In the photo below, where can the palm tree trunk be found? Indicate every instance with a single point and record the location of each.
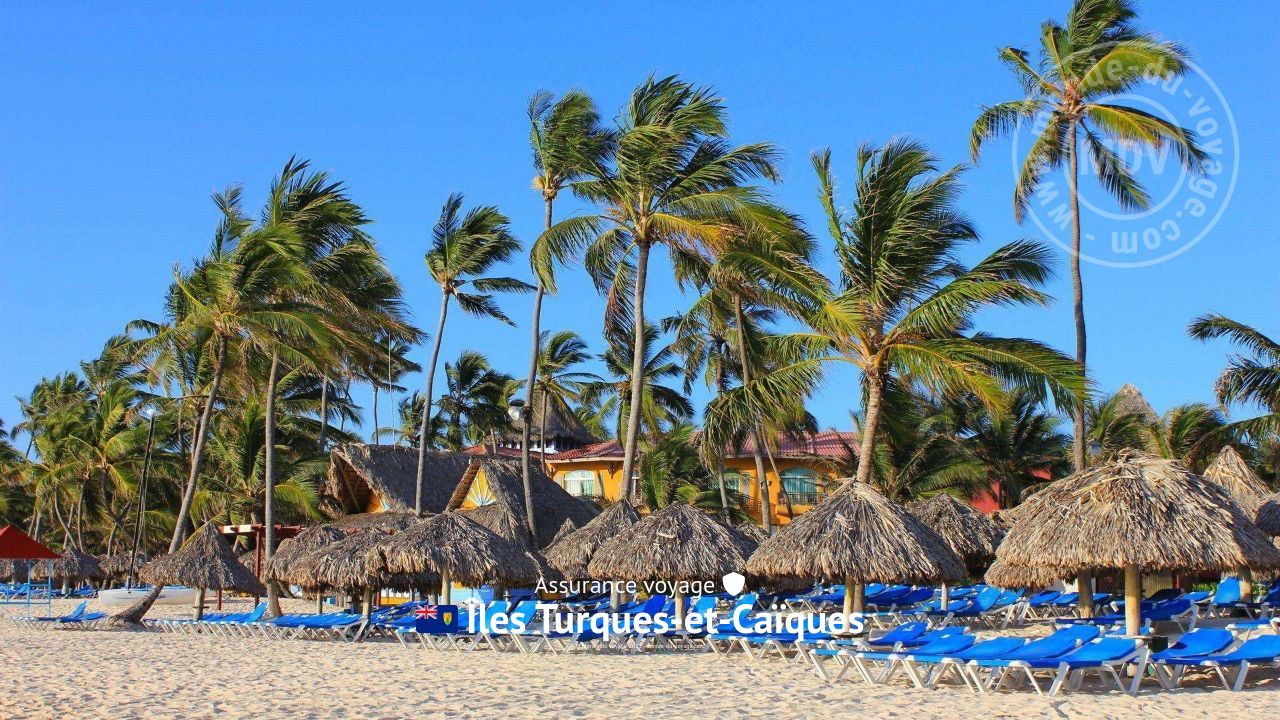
(269, 483)
(637, 374)
(1077, 287)
(869, 421)
(724, 494)
(744, 361)
(526, 431)
(782, 490)
(324, 411)
(426, 404)
(375, 414)
(133, 614)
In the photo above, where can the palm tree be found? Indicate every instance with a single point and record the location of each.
(609, 401)
(385, 371)
(903, 300)
(568, 141)
(475, 403)
(1111, 425)
(1253, 377)
(1191, 432)
(464, 247)
(1083, 65)
(675, 182)
(1018, 443)
(559, 385)
(919, 457)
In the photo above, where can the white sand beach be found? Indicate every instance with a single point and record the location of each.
(108, 674)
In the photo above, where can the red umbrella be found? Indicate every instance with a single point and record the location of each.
(17, 545)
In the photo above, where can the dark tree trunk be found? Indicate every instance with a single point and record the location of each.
(426, 404)
(632, 436)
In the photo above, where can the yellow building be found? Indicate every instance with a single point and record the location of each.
(803, 472)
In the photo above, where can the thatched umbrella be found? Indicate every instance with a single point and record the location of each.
(1137, 513)
(971, 535)
(1268, 519)
(344, 566)
(567, 528)
(571, 554)
(117, 566)
(389, 521)
(72, 564)
(861, 536)
(1234, 474)
(13, 570)
(457, 548)
(293, 549)
(205, 562)
(677, 543)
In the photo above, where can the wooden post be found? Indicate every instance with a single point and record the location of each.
(319, 603)
(1084, 584)
(219, 598)
(679, 607)
(848, 603)
(200, 605)
(368, 602)
(1246, 584)
(1132, 600)
(946, 597)
(859, 597)
(446, 586)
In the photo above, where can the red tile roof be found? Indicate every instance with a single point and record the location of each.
(828, 443)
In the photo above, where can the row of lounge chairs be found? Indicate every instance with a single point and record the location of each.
(79, 619)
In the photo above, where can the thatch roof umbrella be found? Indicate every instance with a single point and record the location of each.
(291, 550)
(1268, 519)
(1137, 513)
(567, 528)
(1234, 474)
(344, 566)
(971, 535)
(13, 570)
(861, 536)
(571, 554)
(72, 564)
(205, 562)
(457, 548)
(117, 566)
(677, 543)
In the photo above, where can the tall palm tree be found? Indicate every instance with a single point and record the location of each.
(675, 182)
(464, 247)
(1192, 433)
(1074, 86)
(568, 141)
(559, 384)
(384, 372)
(1252, 377)
(903, 301)
(475, 403)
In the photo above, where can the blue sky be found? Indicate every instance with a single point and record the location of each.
(116, 125)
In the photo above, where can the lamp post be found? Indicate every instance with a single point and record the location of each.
(150, 412)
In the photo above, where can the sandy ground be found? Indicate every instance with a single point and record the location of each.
(108, 674)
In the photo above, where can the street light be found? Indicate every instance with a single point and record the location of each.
(150, 413)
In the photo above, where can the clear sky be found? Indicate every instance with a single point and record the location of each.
(116, 125)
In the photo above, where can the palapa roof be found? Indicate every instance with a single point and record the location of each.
(970, 534)
(293, 549)
(15, 570)
(571, 554)
(472, 554)
(205, 561)
(357, 472)
(858, 535)
(1003, 575)
(1234, 474)
(386, 521)
(752, 532)
(1137, 509)
(678, 542)
(117, 566)
(1268, 518)
(552, 505)
(560, 422)
(345, 565)
(71, 563)
(1129, 401)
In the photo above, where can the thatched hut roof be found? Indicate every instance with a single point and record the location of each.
(205, 561)
(970, 534)
(752, 532)
(567, 528)
(1137, 509)
(471, 553)
(363, 476)
(1129, 401)
(859, 535)
(1004, 575)
(1268, 518)
(1234, 474)
(570, 555)
(14, 570)
(678, 542)
(344, 565)
(385, 521)
(73, 563)
(293, 549)
(117, 566)
(560, 424)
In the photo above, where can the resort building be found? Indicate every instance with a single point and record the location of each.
(798, 475)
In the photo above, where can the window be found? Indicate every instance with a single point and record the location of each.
(737, 482)
(801, 485)
(580, 483)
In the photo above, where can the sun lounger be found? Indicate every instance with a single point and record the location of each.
(863, 661)
(1104, 656)
(939, 664)
(1059, 643)
(1262, 650)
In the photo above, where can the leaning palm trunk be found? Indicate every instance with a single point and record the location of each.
(632, 436)
(871, 417)
(324, 412)
(133, 614)
(269, 484)
(426, 404)
(526, 431)
(1077, 288)
(766, 507)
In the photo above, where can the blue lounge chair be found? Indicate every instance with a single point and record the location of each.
(822, 650)
(1103, 656)
(939, 664)
(1261, 650)
(1059, 643)
(891, 661)
(1225, 596)
(1197, 643)
(975, 608)
(1181, 611)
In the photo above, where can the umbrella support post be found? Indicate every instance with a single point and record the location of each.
(1132, 600)
(368, 602)
(446, 587)
(200, 605)
(679, 608)
(946, 597)
(1246, 584)
(1084, 584)
(319, 603)
(219, 598)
